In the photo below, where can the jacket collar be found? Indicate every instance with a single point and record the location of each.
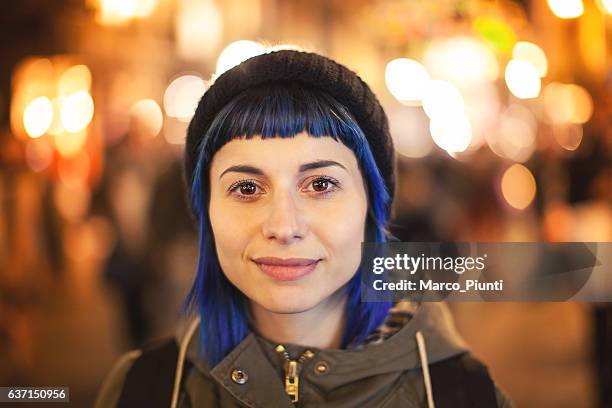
(257, 358)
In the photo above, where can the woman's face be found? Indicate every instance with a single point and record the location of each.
(288, 217)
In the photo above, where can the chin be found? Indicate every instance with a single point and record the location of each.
(289, 300)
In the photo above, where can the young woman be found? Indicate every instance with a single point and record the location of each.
(289, 163)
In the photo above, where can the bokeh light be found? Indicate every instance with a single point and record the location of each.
(449, 124)
(144, 8)
(198, 28)
(532, 54)
(69, 144)
(406, 79)
(77, 111)
(409, 129)
(38, 116)
(557, 106)
(568, 135)
(516, 135)
(523, 79)
(237, 52)
(496, 32)
(442, 99)
(182, 96)
(38, 154)
(74, 79)
(518, 186)
(566, 8)
(147, 118)
(482, 107)
(461, 60)
(582, 103)
(56, 125)
(567, 103)
(36, 70)
(605, 5)
(118, 12)
(33, 78)
(452, 133)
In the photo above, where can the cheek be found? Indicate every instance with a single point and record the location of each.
(342, 229)
(231, 231)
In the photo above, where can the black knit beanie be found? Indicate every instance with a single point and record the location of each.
(308, 68)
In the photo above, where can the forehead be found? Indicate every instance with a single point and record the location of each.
(286, 153)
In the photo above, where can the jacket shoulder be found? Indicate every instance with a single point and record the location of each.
(110, 391)
(142, 377)
(464, 381)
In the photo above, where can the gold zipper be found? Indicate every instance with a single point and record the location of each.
(292, 371)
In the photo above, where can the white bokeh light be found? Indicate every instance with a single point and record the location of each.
(38, 116)
(77, 111)
(532, 54)
(566, 8)
(605, 5)
(442, 99)
(461, 60)
(407, 80)
(237, 52)
(452, 133)
(523, 79)
(182, 96)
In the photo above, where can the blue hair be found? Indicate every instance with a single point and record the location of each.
(278, 109)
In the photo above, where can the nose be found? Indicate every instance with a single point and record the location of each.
(285, 221)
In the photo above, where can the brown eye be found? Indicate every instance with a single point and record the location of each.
(320, 185)
(248, 188)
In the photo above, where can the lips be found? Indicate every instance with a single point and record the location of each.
(286, 269)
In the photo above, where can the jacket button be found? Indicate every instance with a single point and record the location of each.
(321, 368)
(239, 376)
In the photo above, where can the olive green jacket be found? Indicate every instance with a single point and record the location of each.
(389, 374)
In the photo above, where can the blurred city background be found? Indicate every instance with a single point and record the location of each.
(500, 112)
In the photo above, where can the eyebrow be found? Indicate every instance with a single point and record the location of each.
(244, 168)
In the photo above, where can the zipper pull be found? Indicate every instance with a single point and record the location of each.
(292, 371)
(292, 380)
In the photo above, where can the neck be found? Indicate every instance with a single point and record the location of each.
(321, 327)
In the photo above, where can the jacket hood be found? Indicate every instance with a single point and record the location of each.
(399, 352)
